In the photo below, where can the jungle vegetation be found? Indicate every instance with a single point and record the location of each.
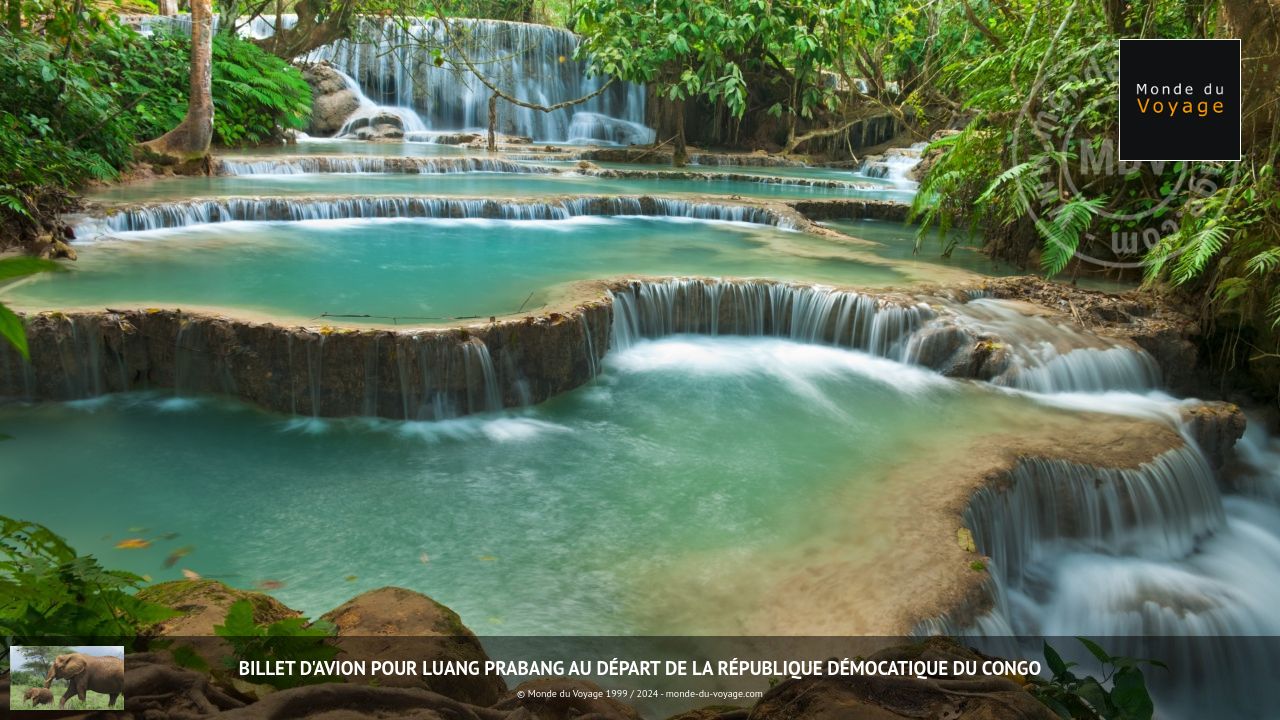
(80, 92)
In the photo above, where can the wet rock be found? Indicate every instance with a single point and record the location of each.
(377, 624)
(366, 372)
(1215, 426)
(49, 247)
(381, 126)
(460, 138)
(332, 100)
(1165, 332)
(201, 604)
(852, 209)
(543, 699)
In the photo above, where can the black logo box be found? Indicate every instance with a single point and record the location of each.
(1194, 65)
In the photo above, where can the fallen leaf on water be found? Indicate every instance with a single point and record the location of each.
(177, 555)
(351, 578)
(270, 584)
(133, 544)
(488, 558)
(190, 574)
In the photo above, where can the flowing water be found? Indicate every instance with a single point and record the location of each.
(690, 462)
(396, 64)
(683, 447)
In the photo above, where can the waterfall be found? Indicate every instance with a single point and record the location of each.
(894, 165)
(804, 313)
(1047, 356)
(1160, 510)
(155, 216)
(476, 353)
(368, 112)
(395, 64)
(306, 165)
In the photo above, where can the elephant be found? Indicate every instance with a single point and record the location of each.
(38, 696)
(87, 672)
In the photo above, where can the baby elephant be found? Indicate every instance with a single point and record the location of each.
(38, 696)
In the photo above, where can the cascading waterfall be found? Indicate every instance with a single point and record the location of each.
(1046, 356)
(804, 313)
(368, 112)
(155, 216)
(396, 64)
(894, 165)
(1154, 561)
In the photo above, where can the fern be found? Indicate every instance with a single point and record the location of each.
(1062, 231)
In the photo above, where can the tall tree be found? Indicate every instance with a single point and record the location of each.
(190, 139)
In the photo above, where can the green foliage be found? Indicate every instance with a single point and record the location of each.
(255, 94)
(76, 98)
(47, 590)
(57, 128)
(1089, 698)
(288, 639)
(11, 327)
(805, 54)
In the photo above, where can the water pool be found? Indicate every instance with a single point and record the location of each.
(477, 184)
(422, 268)
(631, 505)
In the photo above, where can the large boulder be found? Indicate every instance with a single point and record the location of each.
(379, 126)
(389, 624)
(202, 604)
(332, 99)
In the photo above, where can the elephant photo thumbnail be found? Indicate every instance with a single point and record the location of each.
(59, 677)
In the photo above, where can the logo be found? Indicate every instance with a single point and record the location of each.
(1077, 177)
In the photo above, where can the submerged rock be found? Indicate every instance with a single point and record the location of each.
(389, 624)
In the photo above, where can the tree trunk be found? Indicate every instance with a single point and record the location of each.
(680, 155)
(168, 7)
(1257, 24)
(493, 122)
(319, 23)
(190, 140)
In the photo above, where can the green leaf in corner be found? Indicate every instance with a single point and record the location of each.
(1054, 660)
(1096, 650)
(1130, 697)
(15, 267)
(239, 622)
(12, 329)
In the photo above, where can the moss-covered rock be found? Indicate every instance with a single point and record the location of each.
(389, 624)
